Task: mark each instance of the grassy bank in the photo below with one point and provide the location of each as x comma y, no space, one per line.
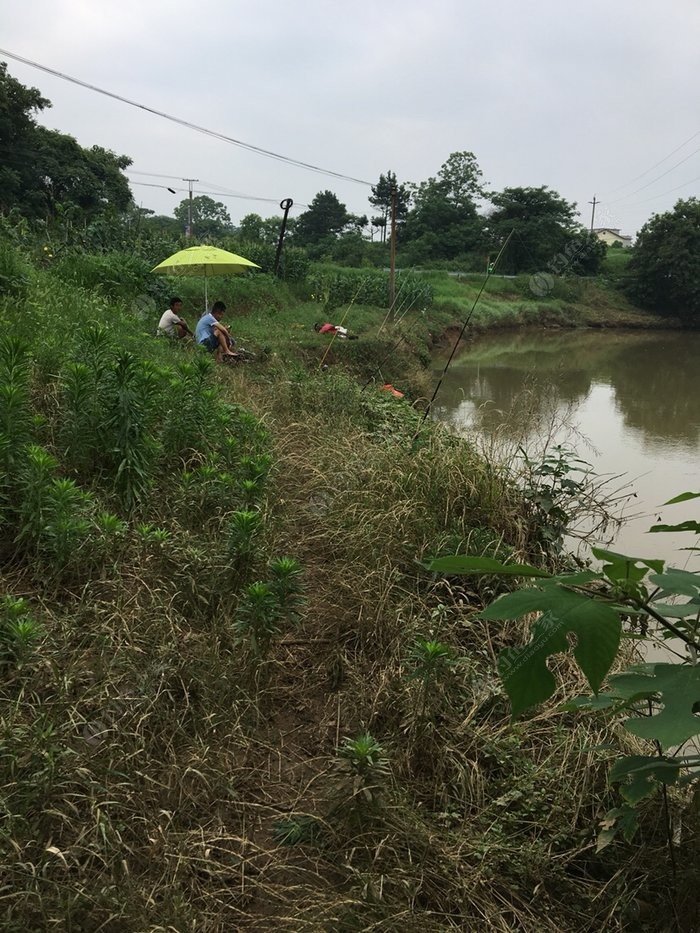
220,711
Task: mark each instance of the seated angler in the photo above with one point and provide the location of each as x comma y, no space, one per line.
172,324
214,336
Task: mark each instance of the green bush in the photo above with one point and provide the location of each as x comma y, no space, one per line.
336,287
14,271
114,275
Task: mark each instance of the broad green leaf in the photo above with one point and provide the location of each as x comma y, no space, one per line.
683,497
639,775
459,563
678,582
579,578
524,670
615,559
677,610
682,526
677,687
623,820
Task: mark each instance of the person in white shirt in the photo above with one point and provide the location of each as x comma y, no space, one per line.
171,323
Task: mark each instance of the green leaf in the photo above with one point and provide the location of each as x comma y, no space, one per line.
580,578
623,820
459,563
612,557
619,567
678,582
683,497
524,670
678,688
683,526
639,775
677,610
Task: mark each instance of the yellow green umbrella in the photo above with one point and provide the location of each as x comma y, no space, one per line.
204,261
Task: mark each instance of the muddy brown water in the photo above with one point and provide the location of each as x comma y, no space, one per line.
627,402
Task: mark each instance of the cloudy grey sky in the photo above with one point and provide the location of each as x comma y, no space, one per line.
581,97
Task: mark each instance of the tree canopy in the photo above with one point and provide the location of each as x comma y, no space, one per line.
210,218
546,235
44,173
380,200
326,217
444,222
665,267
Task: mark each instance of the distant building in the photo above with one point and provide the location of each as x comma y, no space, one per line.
610,235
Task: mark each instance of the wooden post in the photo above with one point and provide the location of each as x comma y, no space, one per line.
392,261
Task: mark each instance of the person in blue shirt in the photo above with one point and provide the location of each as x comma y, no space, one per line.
214,336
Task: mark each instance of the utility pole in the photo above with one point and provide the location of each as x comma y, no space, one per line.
285,205
392,254
190,182
593,202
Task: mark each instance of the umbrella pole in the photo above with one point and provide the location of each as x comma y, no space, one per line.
206,298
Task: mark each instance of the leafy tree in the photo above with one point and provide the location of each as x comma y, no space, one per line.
461,177
256,229
250,228
665,266
44,173
380,199
209,217
546,236
162,223
325,218
444,222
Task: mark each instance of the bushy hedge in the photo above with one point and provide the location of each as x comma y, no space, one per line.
114,275
294,263
368,287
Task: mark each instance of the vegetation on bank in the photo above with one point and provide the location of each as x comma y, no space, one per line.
231,695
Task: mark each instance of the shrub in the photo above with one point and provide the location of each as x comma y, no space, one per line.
335,287
14,271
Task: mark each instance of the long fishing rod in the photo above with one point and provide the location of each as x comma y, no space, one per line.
335,334
489,272
392,348
392,306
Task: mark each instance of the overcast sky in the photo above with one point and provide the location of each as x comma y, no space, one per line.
581,97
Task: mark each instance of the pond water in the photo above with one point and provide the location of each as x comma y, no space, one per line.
627,402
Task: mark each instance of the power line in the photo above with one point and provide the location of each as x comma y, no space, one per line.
132,171
654,180
186,123
220,194
655,165
664,193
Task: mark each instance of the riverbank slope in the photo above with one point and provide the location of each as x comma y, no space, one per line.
219,711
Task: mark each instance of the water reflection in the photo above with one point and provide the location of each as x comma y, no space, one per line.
629,399
651,378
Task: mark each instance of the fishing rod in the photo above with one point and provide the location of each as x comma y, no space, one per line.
335,334
489,272
392,348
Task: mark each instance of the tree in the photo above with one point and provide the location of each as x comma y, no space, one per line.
380,199
664,272
209,217
545,237
444,222
325,218
250,228
44,173
256,229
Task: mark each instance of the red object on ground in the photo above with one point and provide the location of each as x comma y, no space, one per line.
388,387
327,329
